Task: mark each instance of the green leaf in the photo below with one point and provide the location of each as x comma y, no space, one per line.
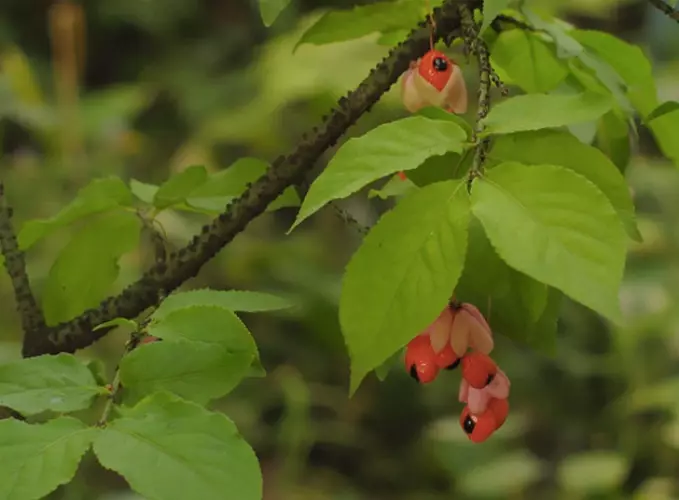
145,192
179,186
195,371
548,146
172,449
342,25
514,304
558,228
664,109
38,458
233,300
664,127
538,111
221,188
402,276
437,113
401,145
60,383
491,9
629,62
393,38
87,266
613,139
98,196
271,9
203,323
119,322
592,472
394,187
528,60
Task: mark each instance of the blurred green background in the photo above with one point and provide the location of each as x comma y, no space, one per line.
145,88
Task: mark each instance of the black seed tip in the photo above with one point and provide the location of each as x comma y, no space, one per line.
469,425
454,365
490,378
440,64
413,373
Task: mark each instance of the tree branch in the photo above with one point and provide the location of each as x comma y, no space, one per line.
666,9
285,171
32,319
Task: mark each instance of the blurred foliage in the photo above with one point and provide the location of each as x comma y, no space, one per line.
139,89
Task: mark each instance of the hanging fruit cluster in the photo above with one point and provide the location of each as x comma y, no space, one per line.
445,345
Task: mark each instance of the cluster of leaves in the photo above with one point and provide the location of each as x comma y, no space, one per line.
161,438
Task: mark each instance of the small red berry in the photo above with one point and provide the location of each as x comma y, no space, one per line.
447,359
480,427
478,369
420,360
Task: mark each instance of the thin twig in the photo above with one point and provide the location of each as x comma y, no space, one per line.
32,319
478,46
285,171
666,9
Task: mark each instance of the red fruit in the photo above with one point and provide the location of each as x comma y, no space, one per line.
478,369
420,360
480,427
446,358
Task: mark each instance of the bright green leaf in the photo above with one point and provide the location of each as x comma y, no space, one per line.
98,196
195,371
401,145
203,323
402,276
665,129
538,111
87,266
179,186
664,109
491,9
394,187
221,188
343,25
145,192
592,472
60,383
557,227
529,61
233,300
437,113
629,62
38,458
548,146
393,38
173,449
613,139
119,322
271,9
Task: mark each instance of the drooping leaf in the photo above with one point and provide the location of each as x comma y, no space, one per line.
348,24
195,371
37,458
539,111
613,139
271,9
402,276
491,9
529,61
628,61
557,227
203,323
60,383
221,188
98,196
87,266
401,145
179,186
173,449
665,127
233,300
548,147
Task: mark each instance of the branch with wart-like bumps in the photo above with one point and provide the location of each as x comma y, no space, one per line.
186,262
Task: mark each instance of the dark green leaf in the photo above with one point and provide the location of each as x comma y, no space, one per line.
402,276
38,458
613,139
60,383
665,128
548,146
539,111
178,187
271,9
491,8
98,196
173,449
401,145
665,108
87,267
557,227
